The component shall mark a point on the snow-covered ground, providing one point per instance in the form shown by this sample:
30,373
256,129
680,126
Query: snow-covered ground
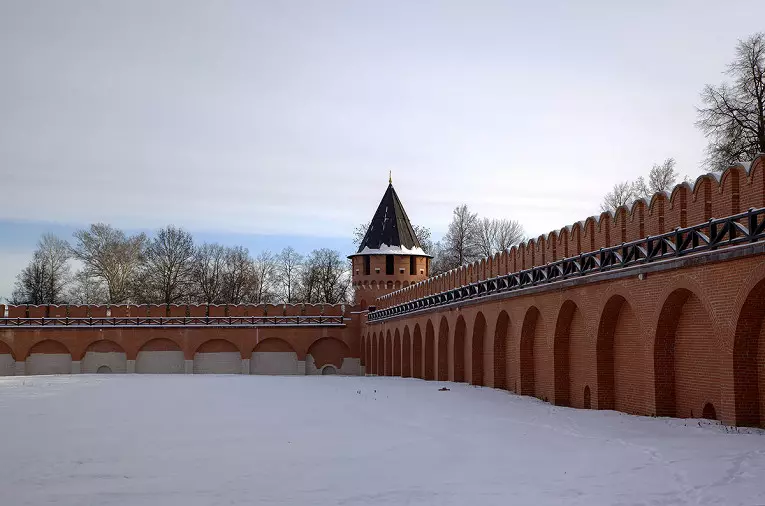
208,440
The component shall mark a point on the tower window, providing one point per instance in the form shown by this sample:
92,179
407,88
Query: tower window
412,265
389,265
367,265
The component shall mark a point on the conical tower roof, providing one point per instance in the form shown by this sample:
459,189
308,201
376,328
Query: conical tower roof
390,231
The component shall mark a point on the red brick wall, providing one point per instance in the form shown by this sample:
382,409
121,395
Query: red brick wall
616,331
736,190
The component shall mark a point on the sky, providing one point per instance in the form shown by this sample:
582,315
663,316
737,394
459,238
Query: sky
270,124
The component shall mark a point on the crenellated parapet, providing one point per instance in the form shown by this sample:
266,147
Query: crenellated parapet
174,311
713,195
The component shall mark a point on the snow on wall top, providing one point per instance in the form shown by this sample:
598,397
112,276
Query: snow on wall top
389,229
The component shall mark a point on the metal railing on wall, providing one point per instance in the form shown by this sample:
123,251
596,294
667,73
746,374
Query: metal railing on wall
183,321
741,228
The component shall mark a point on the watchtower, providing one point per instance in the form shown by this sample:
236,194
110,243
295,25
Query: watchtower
390,256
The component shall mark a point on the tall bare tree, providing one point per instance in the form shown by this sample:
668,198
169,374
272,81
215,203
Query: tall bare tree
208,272
111,256
238,276
264,277
288,265
497,235
661,178
424,236
733,114
622,194
461,244
166,275
45,279
325,278
509,233
86,289
309,285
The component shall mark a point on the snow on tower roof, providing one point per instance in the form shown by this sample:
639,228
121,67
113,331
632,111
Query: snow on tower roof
390,231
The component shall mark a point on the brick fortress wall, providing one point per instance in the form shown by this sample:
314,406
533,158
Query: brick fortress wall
681,337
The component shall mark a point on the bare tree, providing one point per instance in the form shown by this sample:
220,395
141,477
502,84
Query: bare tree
166,275
424,237
622,194
440,262
264,274
509,233
461,244
86,289
208,272
733,114
45,279
359,232
486,236
309,285
497,235
238,276
661,178
111,256
325,278
288,265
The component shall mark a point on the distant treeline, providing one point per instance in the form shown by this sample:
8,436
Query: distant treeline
170,268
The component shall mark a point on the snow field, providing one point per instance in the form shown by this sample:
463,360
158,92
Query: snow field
208,440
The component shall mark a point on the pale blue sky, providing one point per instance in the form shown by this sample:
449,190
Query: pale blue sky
277,122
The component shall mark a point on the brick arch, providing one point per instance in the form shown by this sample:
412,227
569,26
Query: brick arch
103,346
458,350
406,354
388,364
329,351
689,284
430,352
172,364
103,353
417,356
363,350
442,353
476,349
618,349
380,354
47,346
160,344
271,356
373,354
561,353
217,356
5,349
748,361
217,346
683,371
528,331
49,356
397,353
605,351
272,344
499,346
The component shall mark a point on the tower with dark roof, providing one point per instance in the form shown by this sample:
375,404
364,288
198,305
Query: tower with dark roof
390,256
